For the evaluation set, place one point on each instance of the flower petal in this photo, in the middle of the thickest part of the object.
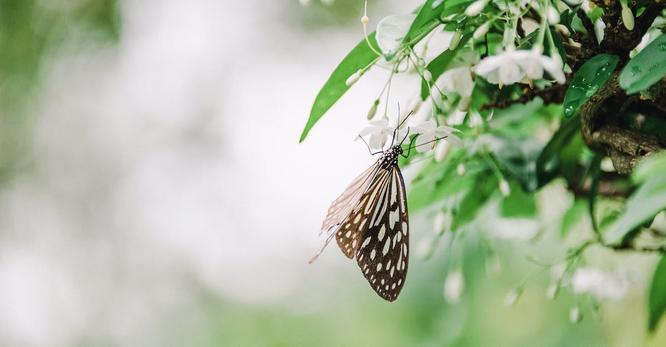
(391, 30)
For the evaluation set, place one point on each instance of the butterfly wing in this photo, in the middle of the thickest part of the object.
(351, 230)
(345, 203)
(383, 253)
(341, 209)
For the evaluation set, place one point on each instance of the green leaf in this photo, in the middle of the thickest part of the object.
(648, 200)
(426, 15)
(359, 58)
(594, 171)
(550, 160)
(657, 299)
(588, 80)
(519, 204)
(475, 199)
(646, 68)
(572, 216)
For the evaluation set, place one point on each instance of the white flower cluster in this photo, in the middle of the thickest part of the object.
(428, 133)
(602, 285)
(513, 66)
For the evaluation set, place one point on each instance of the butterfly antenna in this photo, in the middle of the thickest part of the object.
(437, 139)
(368, 146)
(404, 138)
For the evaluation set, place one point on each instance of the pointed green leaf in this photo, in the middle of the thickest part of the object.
(359, 58)
(648, 200)
(657, 299)
(549, 162)
(588, 80)
(646, 68)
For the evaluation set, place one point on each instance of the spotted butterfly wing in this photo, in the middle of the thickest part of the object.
(369, 221)
(383, 253)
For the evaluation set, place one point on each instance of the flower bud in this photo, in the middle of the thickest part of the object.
(427, 75)
(442, 223)
(454, 284)
(455, 40)
(442, 150)
(512, 296)
(424, 250)
(373, 109)
(354, 78)
(365, 20)
(627, 16)
(504, 188)
(481, 30)
(475, 8)
(551, 291)
(574, 315)
(562, 29)
(553, 15)
(460, 169)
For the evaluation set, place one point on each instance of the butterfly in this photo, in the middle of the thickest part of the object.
(370, 222)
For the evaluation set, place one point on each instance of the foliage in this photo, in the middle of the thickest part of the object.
(538, 94)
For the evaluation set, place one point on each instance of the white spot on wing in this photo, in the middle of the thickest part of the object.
(382, 232)
(394, 216)
(366, 242)
(387, 245)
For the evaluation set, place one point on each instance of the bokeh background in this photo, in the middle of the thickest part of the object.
(153, 193)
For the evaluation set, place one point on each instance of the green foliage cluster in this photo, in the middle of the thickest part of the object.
(526, 138)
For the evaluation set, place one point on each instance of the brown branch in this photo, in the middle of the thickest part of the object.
(626, 147)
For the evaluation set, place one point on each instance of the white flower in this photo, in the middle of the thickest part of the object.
(514, 7)
(599, 27)
(529, 25)
(428, 132)
(514, 228)
(442, 223)
(391, 31)
(475, 8)
(553, 15)
(457, 80)
(379, 132)
(503, 68)
(457, 117)
(454, 286)
(600, 284)
(514, 66)
(534, 63)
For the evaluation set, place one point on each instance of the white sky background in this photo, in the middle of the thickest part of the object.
(171, 162)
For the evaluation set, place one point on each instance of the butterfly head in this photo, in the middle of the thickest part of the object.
(390, 156)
